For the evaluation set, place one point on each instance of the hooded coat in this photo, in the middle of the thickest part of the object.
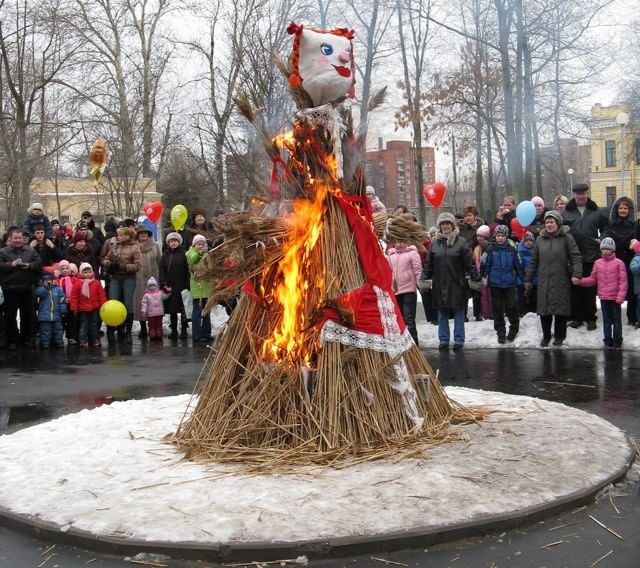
(151, 255)
(622, 231)
(556, 259)
(174, 273)
(586, 228)
(448, 264)
(407, 267)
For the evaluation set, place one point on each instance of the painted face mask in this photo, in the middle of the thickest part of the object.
(322, 63)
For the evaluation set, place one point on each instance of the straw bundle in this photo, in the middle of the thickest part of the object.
(403, 228)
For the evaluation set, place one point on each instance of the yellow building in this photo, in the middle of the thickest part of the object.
(66, 198)
(615, 142)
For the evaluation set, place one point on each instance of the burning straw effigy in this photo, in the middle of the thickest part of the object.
(316, 365)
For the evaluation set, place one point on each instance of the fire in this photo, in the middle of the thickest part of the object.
(306, 227)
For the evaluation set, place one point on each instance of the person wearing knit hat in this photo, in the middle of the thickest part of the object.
(173, 236)
(200, 289)
(65, 281)
(528, 236)
(174, 274)
(87, 297)
(484, 231)
(609, 275)
(608, 244)
(634, 268)
(52, 304)
(448, 266)
(503, 268)
(152, 307)
(586, 222)
(35, 217)
(538, 222)
(556, 260)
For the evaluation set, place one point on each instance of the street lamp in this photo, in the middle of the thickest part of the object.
(570, 171)
(622, 119)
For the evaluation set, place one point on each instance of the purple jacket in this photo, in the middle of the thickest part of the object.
(406, 266)
(610, 275)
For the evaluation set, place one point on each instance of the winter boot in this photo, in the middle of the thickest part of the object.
(128, 327)
(143, 330)
(513, 331)
(111, 334)
(173, 318)
(184, 326)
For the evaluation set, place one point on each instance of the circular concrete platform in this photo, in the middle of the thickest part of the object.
(104, 479)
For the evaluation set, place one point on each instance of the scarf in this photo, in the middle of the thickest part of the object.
(86, 282)
(450, 238)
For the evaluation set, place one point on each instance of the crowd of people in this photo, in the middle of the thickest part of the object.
(55, 278)
(570, 255)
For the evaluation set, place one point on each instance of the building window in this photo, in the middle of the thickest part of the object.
(611, 196)
(610, 153)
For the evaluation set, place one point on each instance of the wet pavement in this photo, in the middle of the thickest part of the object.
(38, 386)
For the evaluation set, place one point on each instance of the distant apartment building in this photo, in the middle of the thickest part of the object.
(391, 171)
(615, 142)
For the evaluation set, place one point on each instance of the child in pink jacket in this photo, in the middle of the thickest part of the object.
(407, 267)
(610, 275)
(152, 308)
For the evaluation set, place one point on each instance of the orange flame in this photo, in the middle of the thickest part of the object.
(306, 227)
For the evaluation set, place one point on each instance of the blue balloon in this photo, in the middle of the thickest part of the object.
(526, 213)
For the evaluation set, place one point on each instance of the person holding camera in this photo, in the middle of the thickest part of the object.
(121, 260)
(20, 266)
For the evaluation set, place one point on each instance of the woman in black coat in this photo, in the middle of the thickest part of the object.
(174, 274)
(448, 266)
(622, 228)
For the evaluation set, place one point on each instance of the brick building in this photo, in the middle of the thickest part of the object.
(391, 171)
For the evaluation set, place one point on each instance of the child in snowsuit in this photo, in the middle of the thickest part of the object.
(501, 264)
(609, 274)
(407, 267)
(52, 304)
(37, 217)
(152, 308)
(66, 278)
(87, 297)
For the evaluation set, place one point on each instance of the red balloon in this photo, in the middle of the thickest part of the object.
(434, 193)
(153, 211)
(517, 229)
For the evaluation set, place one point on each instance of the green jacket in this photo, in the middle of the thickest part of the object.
(199, 288)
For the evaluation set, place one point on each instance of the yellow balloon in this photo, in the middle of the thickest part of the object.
(113, 313)
(178, 216)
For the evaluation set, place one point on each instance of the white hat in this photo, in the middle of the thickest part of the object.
(198, 239)
(370, 190)
(173, 236)
(84, 266)
(446, 217)
(36, 205)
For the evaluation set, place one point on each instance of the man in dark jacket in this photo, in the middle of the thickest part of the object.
(20, 266)
(586, 222)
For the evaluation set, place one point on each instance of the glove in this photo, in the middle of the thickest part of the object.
(424, 285)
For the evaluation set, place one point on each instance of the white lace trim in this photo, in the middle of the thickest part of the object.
(392, 342)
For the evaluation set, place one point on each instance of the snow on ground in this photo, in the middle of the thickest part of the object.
(481, 335)
(109, 472)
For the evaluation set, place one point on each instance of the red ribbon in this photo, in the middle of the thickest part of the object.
(275, 185)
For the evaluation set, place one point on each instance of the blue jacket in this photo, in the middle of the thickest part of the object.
(525, 257)
(43, 220)
(501, 264)
(53, 303)
(635, 270)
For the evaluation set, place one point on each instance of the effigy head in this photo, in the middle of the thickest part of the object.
(322, 63)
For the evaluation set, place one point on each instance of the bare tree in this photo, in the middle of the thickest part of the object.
(118, 78)
(34, 52)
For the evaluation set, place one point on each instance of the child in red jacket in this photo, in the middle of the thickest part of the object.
(87, 297)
